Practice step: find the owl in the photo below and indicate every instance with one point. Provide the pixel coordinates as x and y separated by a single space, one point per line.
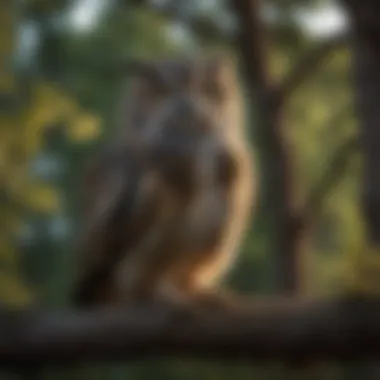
167 202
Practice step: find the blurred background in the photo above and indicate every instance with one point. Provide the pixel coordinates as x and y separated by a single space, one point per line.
60 81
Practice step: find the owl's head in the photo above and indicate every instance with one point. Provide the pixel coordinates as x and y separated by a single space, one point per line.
198 91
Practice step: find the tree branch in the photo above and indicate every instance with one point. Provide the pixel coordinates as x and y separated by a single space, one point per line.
293 330
308 64
332 175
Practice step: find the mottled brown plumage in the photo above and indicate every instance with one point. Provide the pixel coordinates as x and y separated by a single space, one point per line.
167 203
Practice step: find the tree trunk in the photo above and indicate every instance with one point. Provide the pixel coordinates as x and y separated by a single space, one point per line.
365 16
278 193
366 69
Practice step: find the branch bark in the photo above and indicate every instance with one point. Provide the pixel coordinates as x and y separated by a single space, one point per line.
295 331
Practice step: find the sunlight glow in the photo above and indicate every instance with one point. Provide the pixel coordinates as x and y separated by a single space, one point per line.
323 22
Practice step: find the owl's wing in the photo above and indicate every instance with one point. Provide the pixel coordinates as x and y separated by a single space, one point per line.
116 214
